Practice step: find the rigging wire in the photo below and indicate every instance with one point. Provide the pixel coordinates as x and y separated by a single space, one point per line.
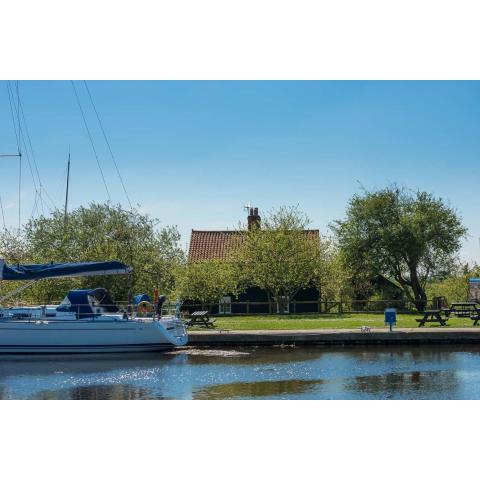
50 200
30 147
91 140
19 190
12 108
18 111
18 117
3 213
108 144
66 189
35 208
11 102
19 161
22 136
35 164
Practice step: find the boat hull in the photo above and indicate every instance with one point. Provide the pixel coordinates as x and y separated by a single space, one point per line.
90 336
63 349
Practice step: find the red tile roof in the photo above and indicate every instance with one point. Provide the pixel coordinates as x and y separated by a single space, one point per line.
208 244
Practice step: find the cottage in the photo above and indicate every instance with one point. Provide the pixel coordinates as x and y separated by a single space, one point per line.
219 244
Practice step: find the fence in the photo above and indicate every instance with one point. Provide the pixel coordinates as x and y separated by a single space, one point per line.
303 307
293 307
21 310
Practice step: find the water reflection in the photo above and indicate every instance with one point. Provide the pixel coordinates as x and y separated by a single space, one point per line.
282 388
300 372
248 356
97 392
418 385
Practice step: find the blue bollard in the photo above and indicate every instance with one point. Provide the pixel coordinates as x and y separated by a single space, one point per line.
390 317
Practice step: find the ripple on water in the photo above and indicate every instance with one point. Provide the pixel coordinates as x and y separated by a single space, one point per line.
207 352
264 372
98 392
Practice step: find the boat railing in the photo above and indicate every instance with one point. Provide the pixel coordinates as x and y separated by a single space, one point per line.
84 311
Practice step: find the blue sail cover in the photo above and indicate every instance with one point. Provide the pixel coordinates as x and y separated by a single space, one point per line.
54 270
79 303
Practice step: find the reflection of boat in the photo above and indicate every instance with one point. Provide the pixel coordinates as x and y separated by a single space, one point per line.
84 375
85 322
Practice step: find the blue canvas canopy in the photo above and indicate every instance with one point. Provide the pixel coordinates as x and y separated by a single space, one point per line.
78 302
142 297
54 270
81 302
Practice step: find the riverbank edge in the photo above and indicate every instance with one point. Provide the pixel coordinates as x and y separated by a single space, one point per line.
406 336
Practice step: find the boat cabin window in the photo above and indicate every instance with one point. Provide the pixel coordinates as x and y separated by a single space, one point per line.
66 303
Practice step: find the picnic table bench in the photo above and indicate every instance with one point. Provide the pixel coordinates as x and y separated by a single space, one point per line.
202 318
465 310
432 316
459 309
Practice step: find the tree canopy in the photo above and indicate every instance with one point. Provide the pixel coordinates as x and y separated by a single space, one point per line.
282 257
94 233
406 236
330 277
408 239
207 281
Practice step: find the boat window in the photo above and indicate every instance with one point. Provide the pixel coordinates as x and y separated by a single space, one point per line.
65 303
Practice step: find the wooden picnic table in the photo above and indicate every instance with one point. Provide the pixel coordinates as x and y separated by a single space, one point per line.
202 318
465 310
432 316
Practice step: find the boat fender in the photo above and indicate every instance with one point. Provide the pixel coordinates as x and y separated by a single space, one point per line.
144 308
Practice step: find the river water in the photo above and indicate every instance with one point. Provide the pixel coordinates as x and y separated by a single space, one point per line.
434 372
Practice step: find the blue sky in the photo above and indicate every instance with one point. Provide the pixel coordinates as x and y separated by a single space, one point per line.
193 153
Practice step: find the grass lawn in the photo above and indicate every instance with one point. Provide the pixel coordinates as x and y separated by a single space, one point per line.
304 322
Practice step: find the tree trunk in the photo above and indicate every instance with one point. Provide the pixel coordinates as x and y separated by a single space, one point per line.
279 301
319 299
269 297
419 295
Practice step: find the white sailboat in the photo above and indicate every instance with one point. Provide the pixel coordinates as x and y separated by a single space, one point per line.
86 321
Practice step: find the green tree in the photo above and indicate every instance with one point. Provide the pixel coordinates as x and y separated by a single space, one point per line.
455 287
331 278
207 281
13 249
102 232
281 257
406 236
13 246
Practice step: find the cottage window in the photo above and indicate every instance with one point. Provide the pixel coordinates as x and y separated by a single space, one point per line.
225 306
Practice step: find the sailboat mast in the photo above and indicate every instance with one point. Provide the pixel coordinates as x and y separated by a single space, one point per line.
66 190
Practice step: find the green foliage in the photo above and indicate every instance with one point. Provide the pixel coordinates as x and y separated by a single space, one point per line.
207 281
406 236
13 249
330 278
13 246
282 258
95 233
456 287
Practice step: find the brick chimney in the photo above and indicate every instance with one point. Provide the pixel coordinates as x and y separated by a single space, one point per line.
253 218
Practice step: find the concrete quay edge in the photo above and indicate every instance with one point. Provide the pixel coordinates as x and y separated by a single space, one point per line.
404 336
